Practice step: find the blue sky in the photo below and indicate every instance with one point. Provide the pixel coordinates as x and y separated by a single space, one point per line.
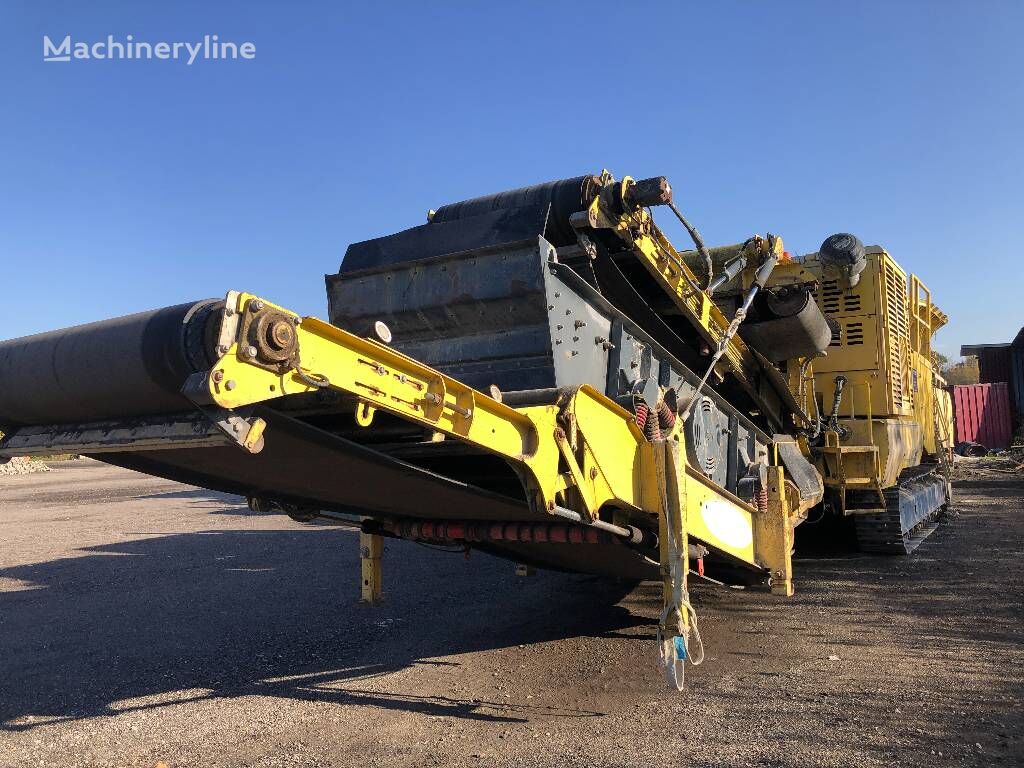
130 185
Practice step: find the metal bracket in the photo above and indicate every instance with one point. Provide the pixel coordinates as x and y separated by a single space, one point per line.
244 430
254 331
229 323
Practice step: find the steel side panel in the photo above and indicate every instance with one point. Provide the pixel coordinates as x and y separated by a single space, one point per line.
1017 380
994 365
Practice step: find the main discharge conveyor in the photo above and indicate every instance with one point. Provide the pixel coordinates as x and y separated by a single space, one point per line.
538 374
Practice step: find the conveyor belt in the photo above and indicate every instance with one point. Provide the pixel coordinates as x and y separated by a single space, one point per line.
304 465
115 369
307 466
560 198
135 366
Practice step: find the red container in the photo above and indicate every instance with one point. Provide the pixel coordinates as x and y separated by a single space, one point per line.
982 414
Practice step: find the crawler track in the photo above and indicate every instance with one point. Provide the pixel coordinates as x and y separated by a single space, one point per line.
910 515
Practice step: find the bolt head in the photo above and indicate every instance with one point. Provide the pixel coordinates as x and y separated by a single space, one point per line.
257 305
218 376
250 351
230 385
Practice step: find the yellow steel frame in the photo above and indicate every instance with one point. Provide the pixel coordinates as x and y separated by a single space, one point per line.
585 452
636 228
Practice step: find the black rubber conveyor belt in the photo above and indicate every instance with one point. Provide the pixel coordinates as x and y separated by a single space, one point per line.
312 468
135 366
565 197
122 368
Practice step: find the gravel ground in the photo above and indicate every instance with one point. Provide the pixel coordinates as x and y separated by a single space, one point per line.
144 621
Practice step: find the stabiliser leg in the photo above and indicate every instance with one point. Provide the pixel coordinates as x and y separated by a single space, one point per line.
371 552
773 532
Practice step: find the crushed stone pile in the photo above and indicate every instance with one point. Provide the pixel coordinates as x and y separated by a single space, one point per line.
22 466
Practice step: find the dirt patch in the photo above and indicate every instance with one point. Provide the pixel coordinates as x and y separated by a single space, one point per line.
989 467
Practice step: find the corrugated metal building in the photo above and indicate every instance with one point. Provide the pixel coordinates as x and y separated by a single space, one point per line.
981 413
1017 374
1002 363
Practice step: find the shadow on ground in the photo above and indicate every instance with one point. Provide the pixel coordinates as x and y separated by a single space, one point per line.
235 613
221 614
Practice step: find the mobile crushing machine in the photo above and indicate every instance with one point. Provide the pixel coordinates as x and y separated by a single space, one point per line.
539 374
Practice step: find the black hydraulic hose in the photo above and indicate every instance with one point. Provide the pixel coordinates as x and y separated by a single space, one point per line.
833 418
697 241
760 278
811 432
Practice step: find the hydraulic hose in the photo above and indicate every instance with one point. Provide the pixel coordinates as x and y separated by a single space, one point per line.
698 241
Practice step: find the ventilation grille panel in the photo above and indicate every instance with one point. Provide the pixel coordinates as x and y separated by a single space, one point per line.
829 296
832 300
898 328
854 334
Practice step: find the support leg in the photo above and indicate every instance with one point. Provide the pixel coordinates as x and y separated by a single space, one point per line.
371 550
774 534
